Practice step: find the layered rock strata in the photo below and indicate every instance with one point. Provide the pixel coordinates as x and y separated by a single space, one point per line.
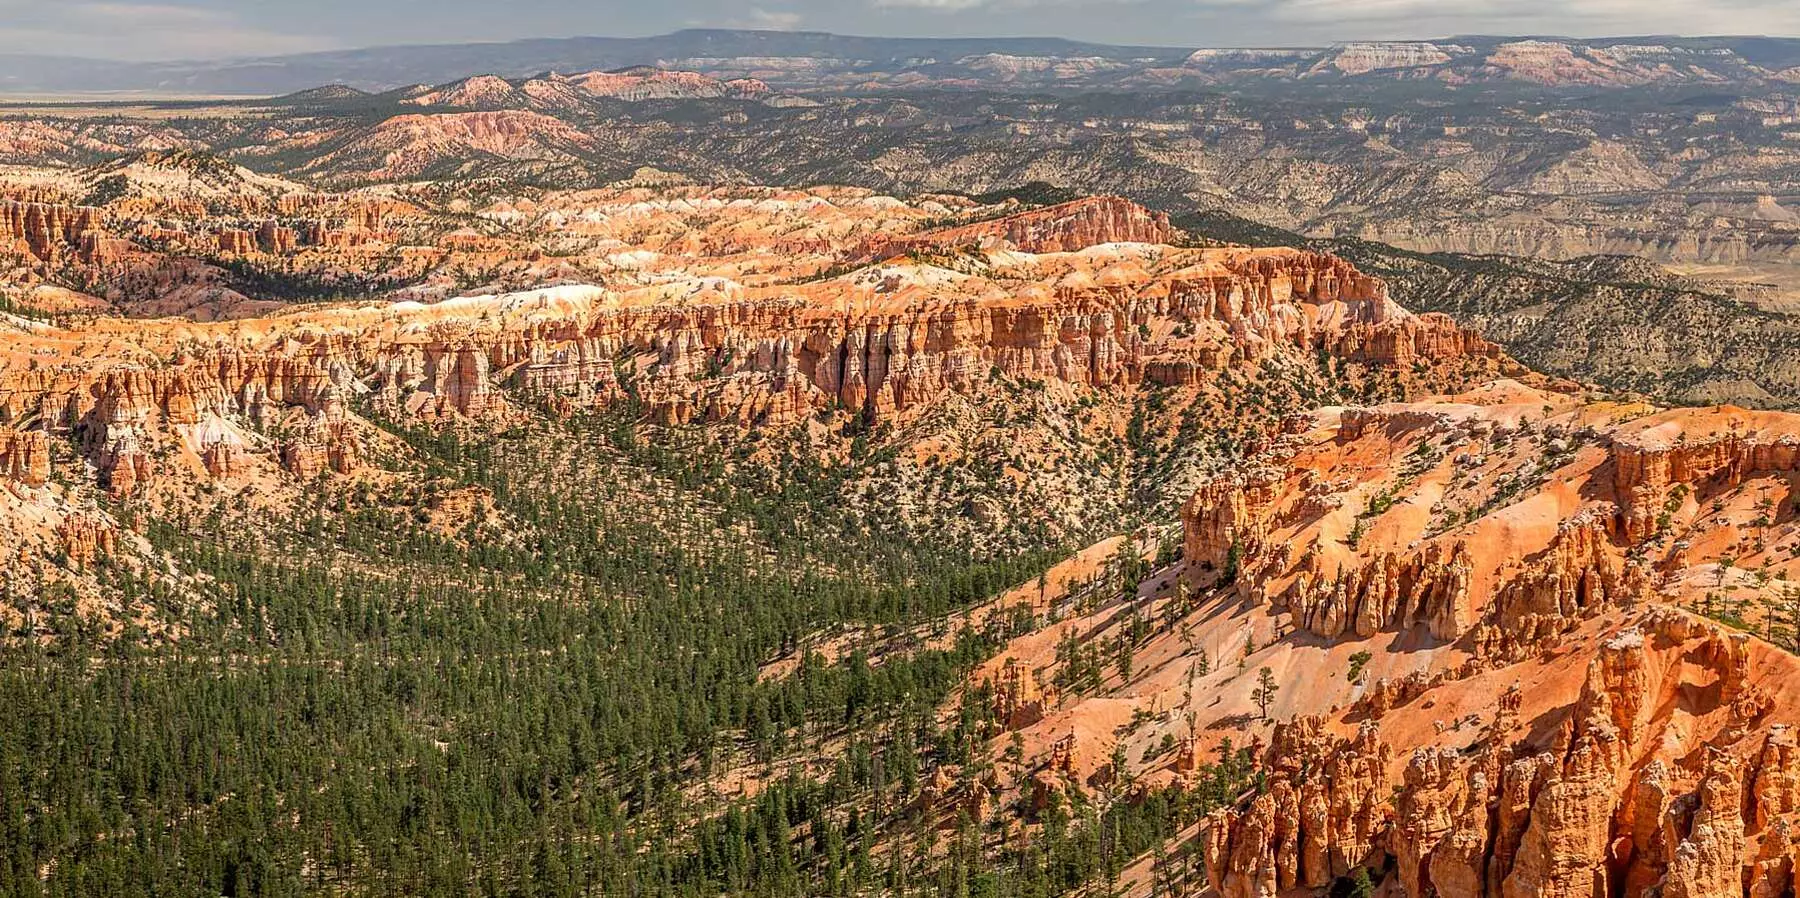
45 230
1499 541
886 341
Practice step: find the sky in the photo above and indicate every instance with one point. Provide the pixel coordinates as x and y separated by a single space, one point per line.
205 29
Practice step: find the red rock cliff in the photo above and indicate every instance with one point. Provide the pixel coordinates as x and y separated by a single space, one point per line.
1086 222
1650 753
45 230
767 358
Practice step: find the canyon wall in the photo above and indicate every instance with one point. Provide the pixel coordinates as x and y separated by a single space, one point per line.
1671 771
45 230
1652 751
1082 223
876 343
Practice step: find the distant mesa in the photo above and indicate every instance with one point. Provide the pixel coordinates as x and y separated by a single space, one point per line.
811 62
555 91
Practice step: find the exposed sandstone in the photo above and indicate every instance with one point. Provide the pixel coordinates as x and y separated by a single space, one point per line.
1064 228
276 238
85 537
1567 818
237 242
1317 822
1419 570
771 356
45 230
25 456
1019 699
1649 463
1666 767
649 83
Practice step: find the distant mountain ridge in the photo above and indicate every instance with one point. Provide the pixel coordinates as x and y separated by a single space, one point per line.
385 68
803 61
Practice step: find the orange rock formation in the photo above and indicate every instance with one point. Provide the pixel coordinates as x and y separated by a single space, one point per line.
887 339
1649 751
45 230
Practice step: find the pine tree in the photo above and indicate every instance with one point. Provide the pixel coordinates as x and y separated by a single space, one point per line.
1263 694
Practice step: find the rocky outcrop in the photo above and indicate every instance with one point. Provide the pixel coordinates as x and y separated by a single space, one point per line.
1578 574
341 212
1404 342
1019 700
1649 464
236 242
44 230
84 537
1363 57
1489 547
1292 532
748 360
1317 820
1600 806
273 237
894 358
100 249
1776 791
556 91
25 456
329 443
1394 590
1228 517
642 83
269 237
1054 229
406 146
1710 861
1227 526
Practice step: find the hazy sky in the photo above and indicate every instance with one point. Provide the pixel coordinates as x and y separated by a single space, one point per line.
222 28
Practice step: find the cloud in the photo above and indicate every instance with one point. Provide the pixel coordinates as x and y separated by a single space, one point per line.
116 29
776 20
1421 18
165 29
942 5
1233 22
756 19
953 6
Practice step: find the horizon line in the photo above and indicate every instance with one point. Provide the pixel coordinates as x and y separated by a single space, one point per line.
364 48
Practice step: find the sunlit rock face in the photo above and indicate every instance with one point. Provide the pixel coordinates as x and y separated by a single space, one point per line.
1528 550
